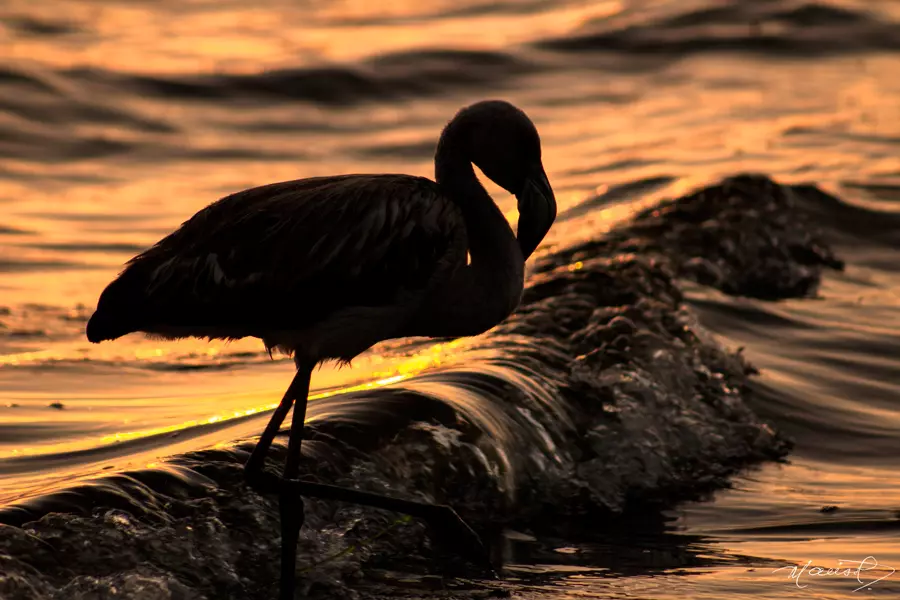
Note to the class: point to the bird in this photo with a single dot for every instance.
(326, 267)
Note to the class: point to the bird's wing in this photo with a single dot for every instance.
(288, 254)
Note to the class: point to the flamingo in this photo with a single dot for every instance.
(324, 268)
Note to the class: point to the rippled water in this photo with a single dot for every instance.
(118, 120)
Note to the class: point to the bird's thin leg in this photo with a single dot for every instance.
(443, 519)
(254, 471)
(290, 501)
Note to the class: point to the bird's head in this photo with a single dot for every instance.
(502, 141)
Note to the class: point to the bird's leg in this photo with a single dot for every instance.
(289, 500)
(443, 520)
(254, 470)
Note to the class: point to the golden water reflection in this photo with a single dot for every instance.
(373, 371)
(94, 171)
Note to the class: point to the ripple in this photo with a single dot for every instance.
(767, 28)
(388, 77)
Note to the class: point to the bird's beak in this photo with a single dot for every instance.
(537, 210)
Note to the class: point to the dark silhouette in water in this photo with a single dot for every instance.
(324, 268)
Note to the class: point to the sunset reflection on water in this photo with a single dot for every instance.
(119, 120)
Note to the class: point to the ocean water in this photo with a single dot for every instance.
(611, 440)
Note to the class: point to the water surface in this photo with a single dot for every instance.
(118, 120)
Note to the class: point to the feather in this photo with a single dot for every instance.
(285, 256)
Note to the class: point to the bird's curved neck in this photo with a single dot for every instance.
(489, 288)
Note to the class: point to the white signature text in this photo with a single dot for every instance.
(860, 570)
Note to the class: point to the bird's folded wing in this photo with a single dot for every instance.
(290, 253)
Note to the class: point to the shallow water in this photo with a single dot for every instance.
(119, 120)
